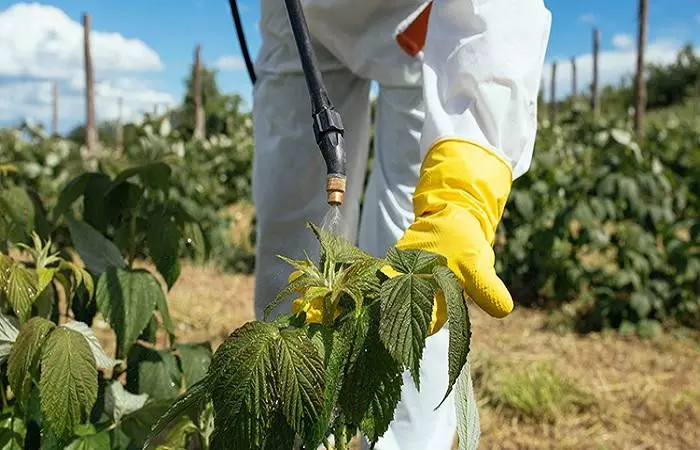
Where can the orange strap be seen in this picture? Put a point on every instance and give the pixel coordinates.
(412, 39)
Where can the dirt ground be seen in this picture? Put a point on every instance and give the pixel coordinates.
(639, 394)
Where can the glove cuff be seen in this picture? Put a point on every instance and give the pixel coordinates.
(461, 173)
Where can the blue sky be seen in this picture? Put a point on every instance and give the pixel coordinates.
(171, 29)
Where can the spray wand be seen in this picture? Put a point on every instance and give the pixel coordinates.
(327, 124)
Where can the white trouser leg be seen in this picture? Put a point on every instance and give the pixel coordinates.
(288, 170)
(387, 212)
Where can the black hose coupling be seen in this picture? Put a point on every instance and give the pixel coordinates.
(328, 129)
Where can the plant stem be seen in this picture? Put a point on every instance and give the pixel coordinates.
(340, 438)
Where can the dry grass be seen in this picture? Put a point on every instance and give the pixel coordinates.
(609, 391)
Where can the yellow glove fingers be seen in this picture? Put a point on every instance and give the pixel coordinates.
(481, 283)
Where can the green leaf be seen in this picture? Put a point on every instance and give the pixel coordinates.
(195, 360)
(524, 204)
(336, 248)
(127, 299)
(162, 307)
(413, 261)
(97, 210)
(73, 190)
(301, 283)
(138, 424)
(641, 304)
(163, 241)
(406, 312)
(97, 252)
(459, 325)
(21, 290)
(96, 441)
(153, 372)
(68, 382)
(155, 174)
(336, 347)
(119, 402)
(299, 378)
(368, 396)
(23, 363)
(198, 394)
(18, 206)
(241, 374)
(12, 430)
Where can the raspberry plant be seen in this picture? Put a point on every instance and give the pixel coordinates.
(277, 383)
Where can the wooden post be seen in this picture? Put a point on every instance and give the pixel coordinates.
(553, 94)
(197, 87)
(595, 104)
(640, 97)
(90, 126)
(120, 130)
(574, 83)
(55, 109)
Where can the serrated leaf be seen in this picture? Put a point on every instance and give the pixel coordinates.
(336, 248)
(153, 372)
(44, 275)
(299, 377)
(459, 325)
(240, 373)
(119, 402)
(44, 304)
(406, 311)
(97, 252)
(413, 261)
(6, 264)
(73, 190)
(23, 363)
(68, 382)
(195, 360)
(335, 347)
(302, 282)
(21, 290)
(197, 394)
(468, 425)
(163, 241)
(368, 396)
(102, 360)
(127, 299)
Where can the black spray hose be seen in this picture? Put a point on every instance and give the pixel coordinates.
(241, 40)
(327, 124)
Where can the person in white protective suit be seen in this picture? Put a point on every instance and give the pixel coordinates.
(456, 123)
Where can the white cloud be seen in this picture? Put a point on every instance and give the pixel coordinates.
(40, 43)
(623, 41)
(229, 63)
(33, 99)
(588, 18)
(613, 65)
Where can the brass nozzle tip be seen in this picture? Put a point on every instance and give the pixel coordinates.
(335, 187)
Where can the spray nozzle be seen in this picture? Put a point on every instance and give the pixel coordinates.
(328, 129)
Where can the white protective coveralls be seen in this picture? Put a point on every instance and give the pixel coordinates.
(477, 77)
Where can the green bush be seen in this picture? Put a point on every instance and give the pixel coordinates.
(607, 222)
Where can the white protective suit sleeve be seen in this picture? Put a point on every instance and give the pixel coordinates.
(482, 66)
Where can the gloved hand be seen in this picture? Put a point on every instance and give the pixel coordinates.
(458, 203)
(460, 197)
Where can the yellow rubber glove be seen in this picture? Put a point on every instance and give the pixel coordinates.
(458, 203)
